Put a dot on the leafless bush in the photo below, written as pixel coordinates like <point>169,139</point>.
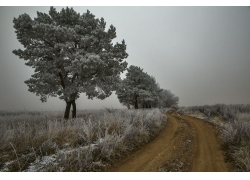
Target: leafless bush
<point>47,142</point>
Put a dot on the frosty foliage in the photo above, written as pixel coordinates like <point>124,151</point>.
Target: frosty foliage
<point>228,112</point>
<point>71,53</point>
<point>141,90</point>
<point>137,88</point>
<point>47,142</point>
<point>235,132</point>
<point>167,99</point>
<point>236,135</point>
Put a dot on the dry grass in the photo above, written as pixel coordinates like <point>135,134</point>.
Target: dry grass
<point>228,112</point>
<point>47,142</point>
<point>236,138</point>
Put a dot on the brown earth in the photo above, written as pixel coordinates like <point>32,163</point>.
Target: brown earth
<point>185,144</point>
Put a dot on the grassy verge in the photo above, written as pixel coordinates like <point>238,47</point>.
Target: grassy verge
<point>46,142</point>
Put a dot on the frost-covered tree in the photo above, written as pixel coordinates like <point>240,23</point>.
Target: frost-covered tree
<point>167,99</point>
<point>150,97</point>
<point>124,94</point>
<point>71,54</point>
<point>138,89</point>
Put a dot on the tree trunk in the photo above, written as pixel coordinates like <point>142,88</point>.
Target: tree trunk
<point>67,110</point>
<point>136,103</point>
<point>74,109</point>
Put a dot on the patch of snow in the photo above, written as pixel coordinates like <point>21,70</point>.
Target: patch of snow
<point>68,151</point>
<point>5,168</point>
<point>66,145</point>
<point>198,115</point>
<point>100,140</point>
<point>39,164</point>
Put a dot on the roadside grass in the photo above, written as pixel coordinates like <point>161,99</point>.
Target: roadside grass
<point>96,139</point>
<point>234,124</point>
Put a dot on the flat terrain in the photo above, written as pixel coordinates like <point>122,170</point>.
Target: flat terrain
<point>185,144</point>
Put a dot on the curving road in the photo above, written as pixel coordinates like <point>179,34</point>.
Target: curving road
<point>185,144</point>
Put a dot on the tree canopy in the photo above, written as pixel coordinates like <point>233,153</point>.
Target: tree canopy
<point>167,99</point>
<point>71,53</point>
<point>138,89</point>
<point>141,90</point>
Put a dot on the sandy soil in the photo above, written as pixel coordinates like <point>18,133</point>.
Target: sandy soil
<point>185,144</point>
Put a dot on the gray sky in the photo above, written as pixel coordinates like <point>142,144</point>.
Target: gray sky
<point>201,54</point>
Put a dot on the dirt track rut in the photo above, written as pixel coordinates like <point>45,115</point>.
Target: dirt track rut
<point>185,144</point>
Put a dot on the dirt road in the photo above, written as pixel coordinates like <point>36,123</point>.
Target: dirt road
<point>185,144</point>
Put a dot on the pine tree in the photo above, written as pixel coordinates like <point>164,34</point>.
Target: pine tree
<point>150,97</point>
<point>71,54</point>
<point>167,99</point>
<point>138,89</point>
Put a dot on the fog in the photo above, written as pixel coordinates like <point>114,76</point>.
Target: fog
<point>201,54</point>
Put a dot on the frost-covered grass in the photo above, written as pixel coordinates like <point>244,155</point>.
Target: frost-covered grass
<point>234,124</point>
<point>236,138</point>
<point>47,142</point>
<point>228,112</point>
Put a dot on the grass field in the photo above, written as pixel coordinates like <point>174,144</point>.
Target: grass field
<point>44,141</point>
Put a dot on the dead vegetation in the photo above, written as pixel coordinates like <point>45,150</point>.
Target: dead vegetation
<point>47,142</point>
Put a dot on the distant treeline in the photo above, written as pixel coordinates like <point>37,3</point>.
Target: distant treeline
<point>17,113</point>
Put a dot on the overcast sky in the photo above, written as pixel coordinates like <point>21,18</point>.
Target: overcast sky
<point>201,54</point>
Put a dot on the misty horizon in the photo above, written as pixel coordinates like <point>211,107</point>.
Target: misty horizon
<point>200,54</point>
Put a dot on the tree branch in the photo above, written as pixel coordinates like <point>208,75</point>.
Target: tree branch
<point>74,76</point>
<point>94,73</point>
<point>62,82</point>
<point>47,42</point>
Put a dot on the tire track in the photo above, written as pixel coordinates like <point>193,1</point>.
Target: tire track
<point>208,155</point>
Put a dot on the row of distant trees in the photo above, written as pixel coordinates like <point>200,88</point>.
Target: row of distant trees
<point>140,90</point>
<point>73,53</point>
